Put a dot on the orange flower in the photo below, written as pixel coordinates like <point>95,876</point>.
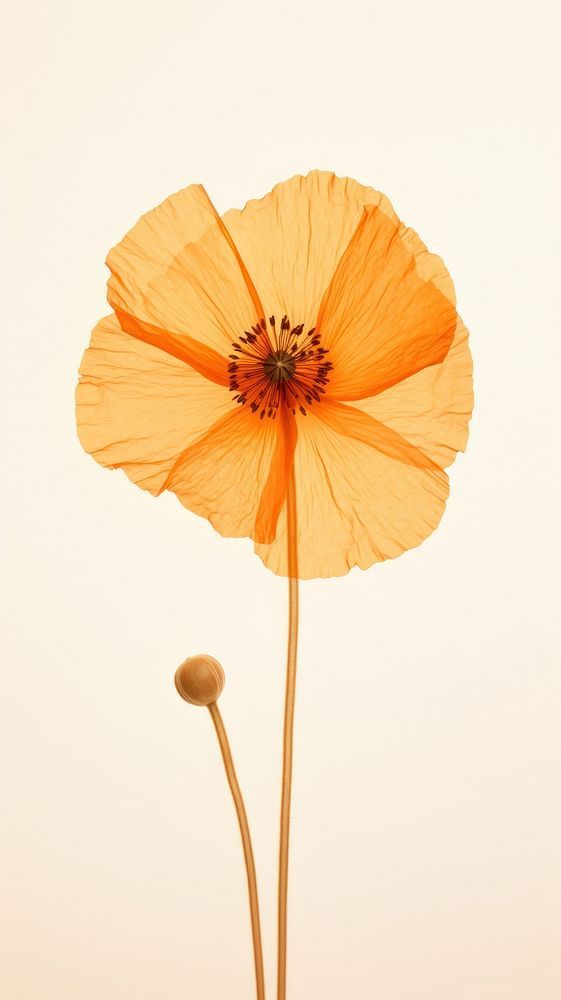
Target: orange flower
<point>311,334</point>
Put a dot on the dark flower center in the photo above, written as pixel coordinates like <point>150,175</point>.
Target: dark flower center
<point>280,366</point>
<point>274,367</point>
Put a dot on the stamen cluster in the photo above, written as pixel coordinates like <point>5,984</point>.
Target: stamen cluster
<point>278,367</point>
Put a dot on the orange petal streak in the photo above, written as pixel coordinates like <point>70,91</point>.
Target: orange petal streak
<point>274,494</point>
<point>355,505</point>
<point>203,359</point>
<point>138,408</point>
<point>223,475</point>
<point>353,423</point>
<point>179,271</point>
<point>379,319</point>
<point>431,408</point>
<point>294,237</point>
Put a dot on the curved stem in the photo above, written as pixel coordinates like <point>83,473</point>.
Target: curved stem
<point>247,848</point>
<point>290,694</point>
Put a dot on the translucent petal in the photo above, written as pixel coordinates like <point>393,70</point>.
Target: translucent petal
<point>222,476</point>
<point>292,239</point>
<point>361,426</point>
<point>379,319</point>
<point>432,408</point>
<point>178,273</point>
<point>138,408</point>
<point>355,505</point>
<point>275,489</point>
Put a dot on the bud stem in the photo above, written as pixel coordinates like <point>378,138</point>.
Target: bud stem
<point>247,848</point>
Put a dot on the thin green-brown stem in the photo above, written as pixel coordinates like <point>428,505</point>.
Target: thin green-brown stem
<point>290,694</point>
<point>247,848</point>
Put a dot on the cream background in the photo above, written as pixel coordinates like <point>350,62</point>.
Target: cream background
<point>427,813</point>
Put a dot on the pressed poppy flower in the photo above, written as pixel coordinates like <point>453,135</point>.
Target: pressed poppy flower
<point>297,373</point>
<point>310,335</point>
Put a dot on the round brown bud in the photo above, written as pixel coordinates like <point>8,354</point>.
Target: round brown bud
<point>200,679</point>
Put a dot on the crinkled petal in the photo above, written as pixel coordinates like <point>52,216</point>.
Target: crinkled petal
<point>275,491</point>
<point>429,266</point>
<point>292,239</point>
<point>432,408</point>
<point>380,320</point>
<point>361,426</point>
<point>223,475</point>
<point>178,272</point>
<point>355,505</point>
<point>203,359</point>
<point>138,408</point>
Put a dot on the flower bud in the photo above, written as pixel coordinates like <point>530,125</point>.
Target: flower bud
<point>200,679</point>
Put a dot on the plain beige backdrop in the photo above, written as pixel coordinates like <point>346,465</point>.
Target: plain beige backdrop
<point>426,860</point>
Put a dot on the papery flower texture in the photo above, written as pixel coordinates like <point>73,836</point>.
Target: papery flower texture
<point>310,337</point>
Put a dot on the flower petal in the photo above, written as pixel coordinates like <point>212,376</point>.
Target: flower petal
<point>429,266</point>
<point>361,426</point>
<point>223,475</point>
<point>200,357</point>
<point>292,239</point>
<point>275,491</point>
<point>355,505</point>
<point>179,271</point>
<point>137,407</point>
<point>432,408</point>
<point>379,319</point>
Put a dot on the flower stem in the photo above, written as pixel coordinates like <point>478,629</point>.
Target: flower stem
<point>247,848</point>
<point>290,693</point>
